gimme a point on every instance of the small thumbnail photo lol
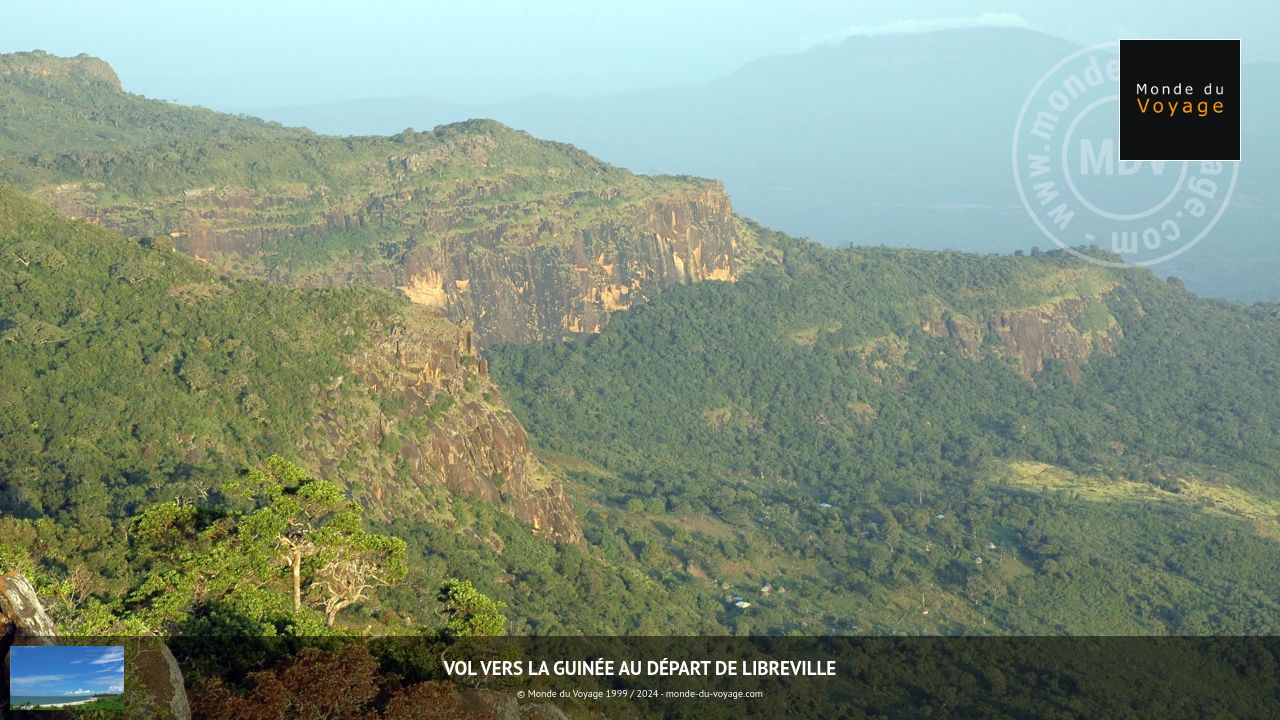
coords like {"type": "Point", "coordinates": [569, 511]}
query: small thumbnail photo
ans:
{"type": "Point", "coordinates": [58, 677]}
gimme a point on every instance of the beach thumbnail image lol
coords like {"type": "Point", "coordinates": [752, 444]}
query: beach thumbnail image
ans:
{"type": "Point", "coordinates": [49, 677]}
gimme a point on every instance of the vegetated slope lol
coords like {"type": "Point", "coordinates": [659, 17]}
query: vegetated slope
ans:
{"type": "Point", "coordinates": [131, 375]}
{"type": "Point", "coordinates": [900, 139]}
{"type": "Point", "coordinates": [931, 442]}
{"type": "Point", "coordinates": [527, 239]}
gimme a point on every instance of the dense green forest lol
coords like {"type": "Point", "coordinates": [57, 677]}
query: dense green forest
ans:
{"type": "Point", "coordinates": [823, 440]}
{"type": "Point", "coordinates": [257, 443]}
{"type": "Point", "coordinates": [128, 365]}
{"type": "Point", "coordinates": [842, 441]}
{"type": "Point", "coordinates": [800, 429]}
{"type": "Point", "coordinates": [134, 378]}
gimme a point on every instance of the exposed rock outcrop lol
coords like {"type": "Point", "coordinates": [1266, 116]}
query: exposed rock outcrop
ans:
{"type": "Point", "coordinates": [515, 287]}
{"type": "Point", "coordinates": [1051, 333]}
{"type": "Point", "coordinates": [23, 621]}
{"type": "Point", "coordinates": [1031, 337]}
{"type": "Point", "coordinates": [967, 334]}
{"type": "Point", "coordinates": [22, 616]}
{"type": "Point", "coordinates": [43, 66]}
{"type": "Point", "coordinates": [525, 252]}
{"type": "Point", "coordinates": [155, 675]}
{"type": "Point", "coordinates": [155, 686]}
{"type": "Point", "coordinates": [516, 281]}
{"type": "Point", "coordinates": [438, 422]}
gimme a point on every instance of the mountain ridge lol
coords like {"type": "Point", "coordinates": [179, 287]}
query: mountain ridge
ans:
{"type": "Point", "coordinates": [400, 376]}
{"type": "Point", "coordinates": [43, 65]}
{"type": "Point", "coordinates": [899, 139]}
{"type": "Point", "coordinates": [869, 439]}
{"type": "Point", "coordinates": [927, 442]}
{"type": "Point", "coordinates": [526, 239]}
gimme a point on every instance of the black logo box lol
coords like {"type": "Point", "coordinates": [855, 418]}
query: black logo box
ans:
{"type": "Point", "coordinates": [1185, 67]}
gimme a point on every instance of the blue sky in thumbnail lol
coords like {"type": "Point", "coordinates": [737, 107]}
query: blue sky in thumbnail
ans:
{"type": "Point", "coordinates": [55, 671]}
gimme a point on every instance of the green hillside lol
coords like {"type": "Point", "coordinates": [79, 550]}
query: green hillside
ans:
{"type": "Point", "coordinates": [837, 439]}
{"type": "Point", "coordinates": [840, 441]}
{"type": "Point", "coordinates": [1013, 444]}
{"type": "Point", "coordinates": [132, 377]}
{"type": "Point", "coordinates": [127, 365]}
{"type": "Point", "coordinates": [524, 238]}
{"type": "Point", "coordinates": [69, 119]}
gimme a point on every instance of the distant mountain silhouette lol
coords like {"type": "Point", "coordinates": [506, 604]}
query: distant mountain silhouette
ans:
{"type": "Point", "coordinates": [895, 139]}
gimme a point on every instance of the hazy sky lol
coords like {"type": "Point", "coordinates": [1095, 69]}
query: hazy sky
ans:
{"type": "Point", "coordinates": [242, 54]}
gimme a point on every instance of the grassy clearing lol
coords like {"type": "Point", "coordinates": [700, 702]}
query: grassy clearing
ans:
{"type": "Point", "coordinates": [1261, 512]}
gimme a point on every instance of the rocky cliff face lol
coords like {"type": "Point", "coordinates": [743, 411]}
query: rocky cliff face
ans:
{"type": "Point", "coordinates": [518, 287]}
{"type": "Point", "coordinates": [386, 397]}
{"type": "Point", "coordinates": [21, 613]}
{"type": "Point", "coordinates": [419, 404]}
{"type": "Point", "coordinates": [515, 281]}
{"type": "Point", "coordinates": [23, 621]}
{"type": "Point", "coordinates": [528, 240]}
{"type": "Point", "coordinates": [1070, 330]}
{"type": "Point", "coordinates": [42, 66]}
